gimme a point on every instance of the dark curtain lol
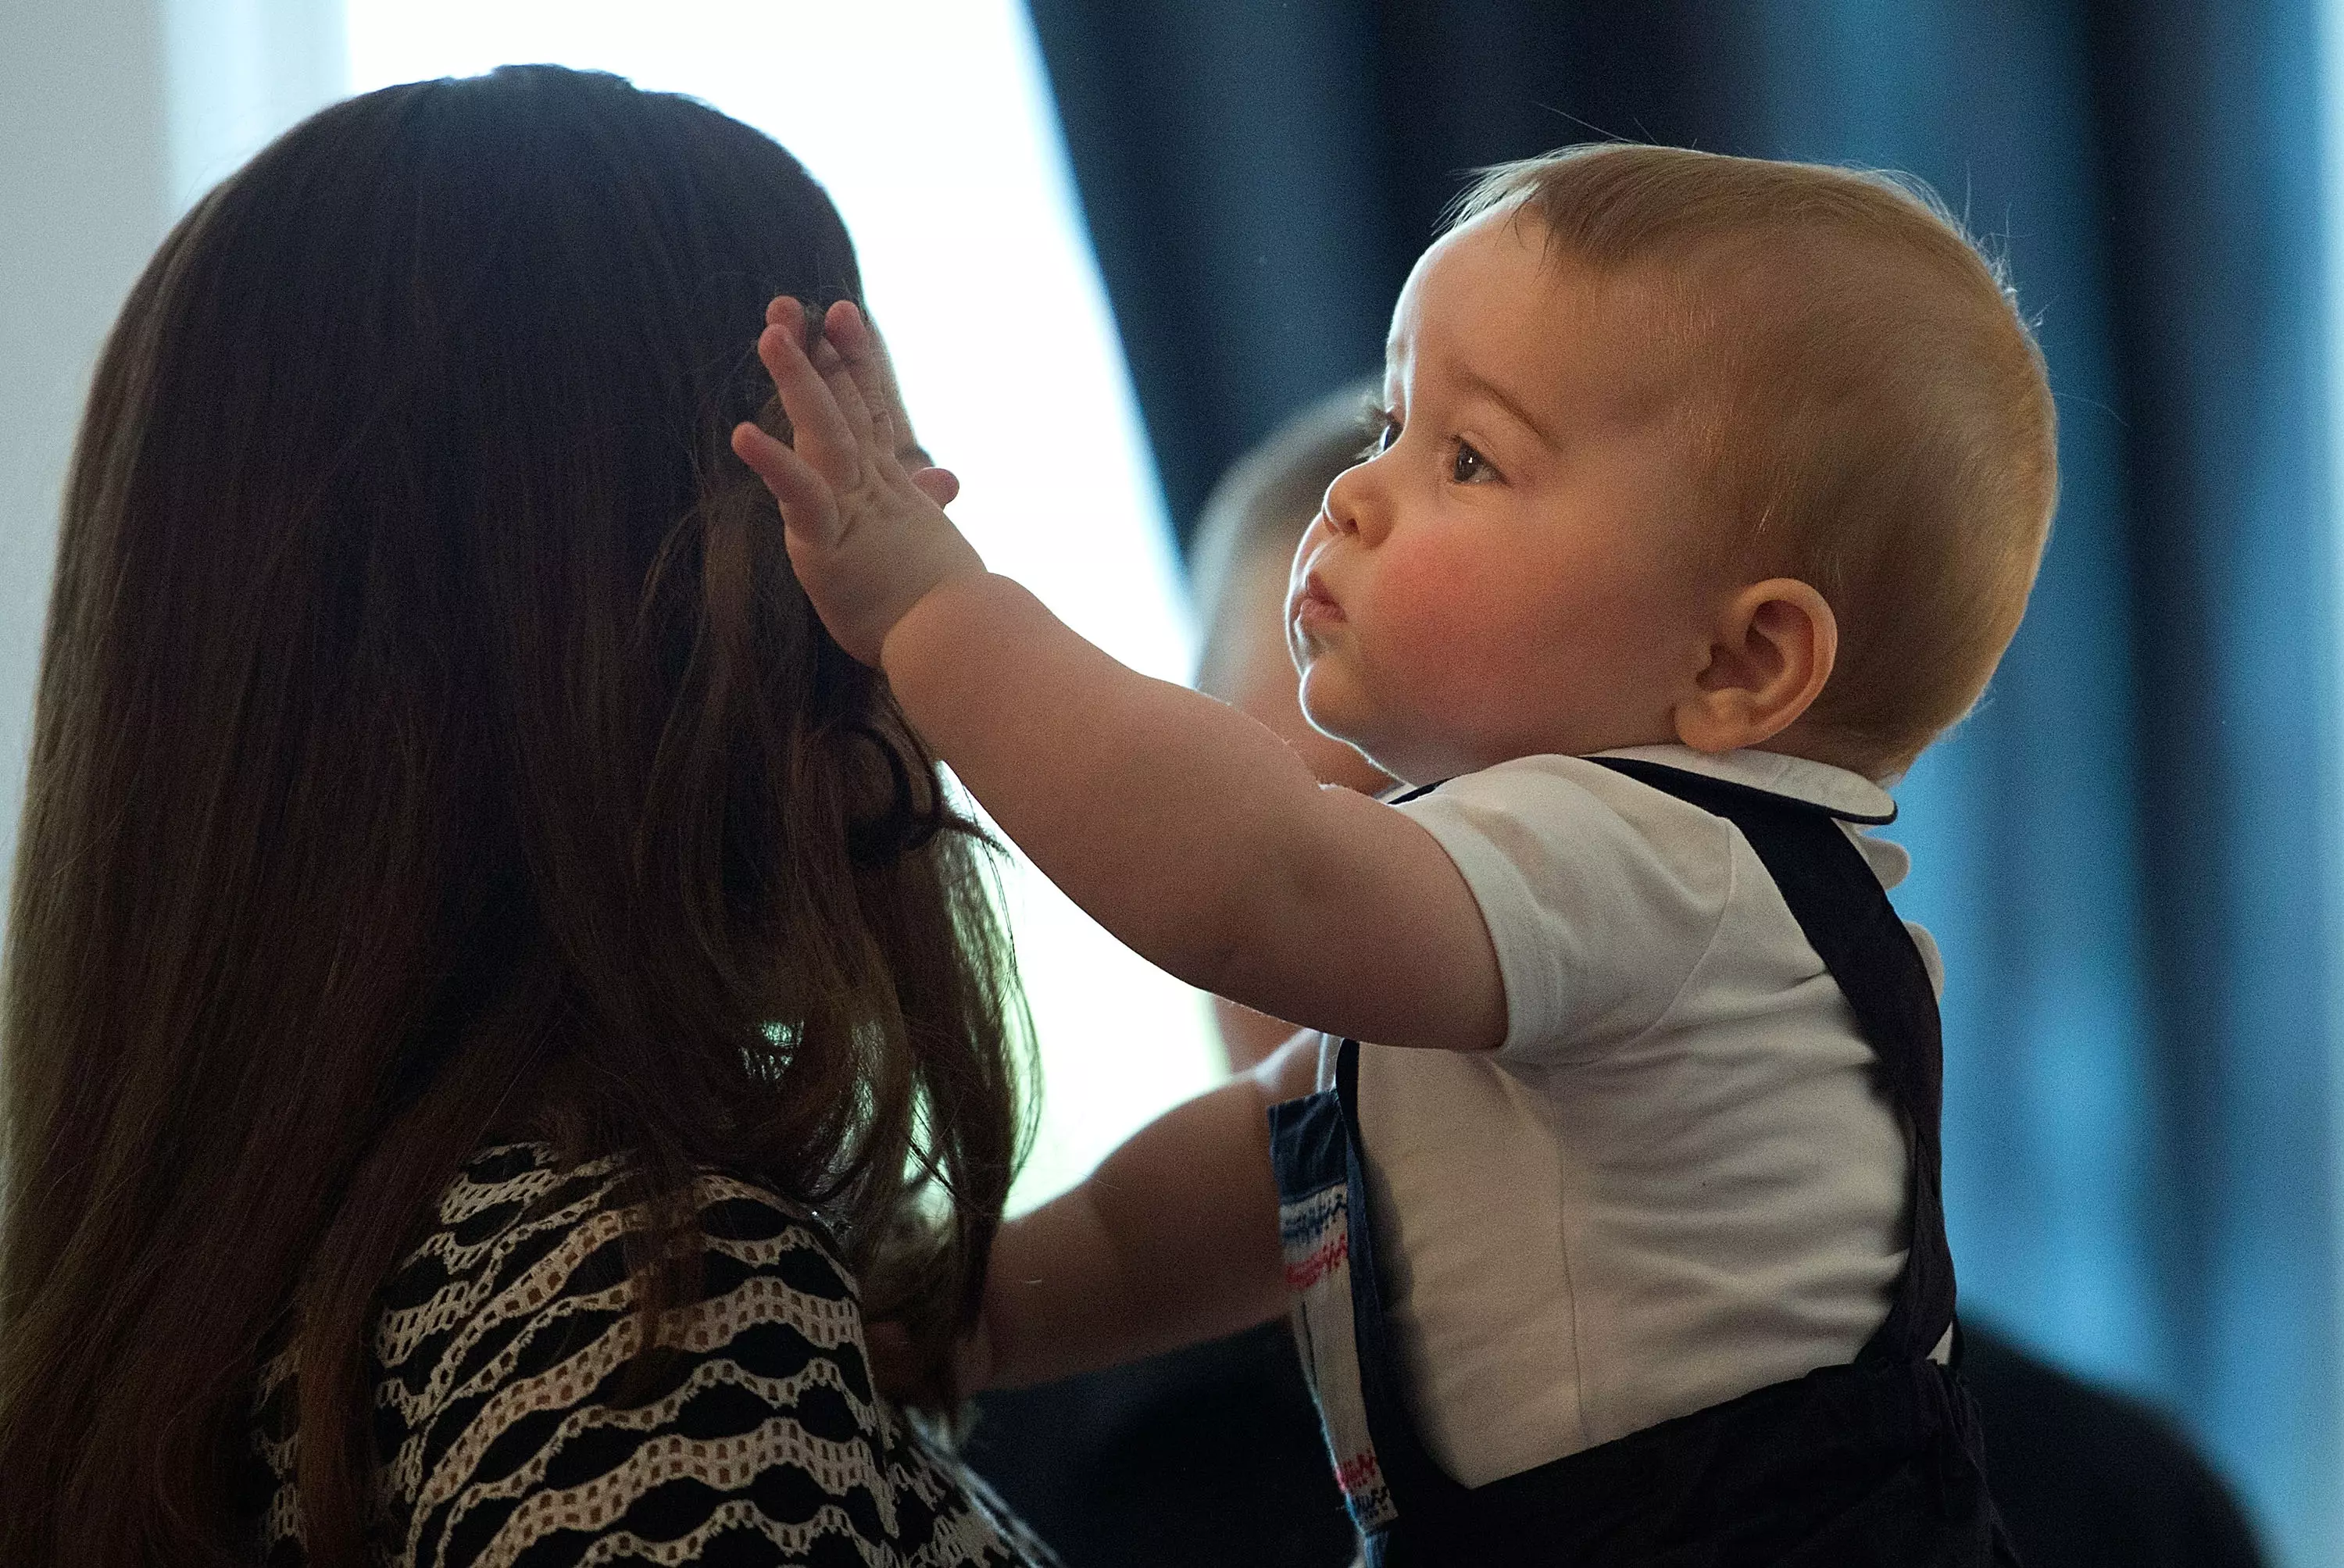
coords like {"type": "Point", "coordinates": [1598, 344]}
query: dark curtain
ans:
{"type": "Point", "coordinates": [2129, 853]}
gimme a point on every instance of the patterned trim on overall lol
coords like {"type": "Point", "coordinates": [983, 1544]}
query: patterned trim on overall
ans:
{"type": "Point", "coordinates": [1314, 1218]}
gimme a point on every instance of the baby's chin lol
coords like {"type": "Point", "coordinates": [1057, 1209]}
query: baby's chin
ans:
{"type": "Point", "coordinates": [1388, 760]}
{"type": "Point", "coordinates": [1339, 762]}
{"type": "Point", "coordinates": [1365, 747]}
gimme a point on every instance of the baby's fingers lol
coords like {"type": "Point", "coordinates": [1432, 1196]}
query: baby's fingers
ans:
{"type": "Point", "coordinates": [860, 354]}
{"type": "Point", "coordinates": [939, 485]}
{"type": "Point", "coordinates": [809, 506]}
{"type": "Point", "coordinates": [865, 416]}
{"type": "Point", "coordinates": [820, 430]}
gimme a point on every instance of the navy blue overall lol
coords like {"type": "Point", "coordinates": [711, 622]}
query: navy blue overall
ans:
{"type": "Point", "coordinates": [1873, 1462]}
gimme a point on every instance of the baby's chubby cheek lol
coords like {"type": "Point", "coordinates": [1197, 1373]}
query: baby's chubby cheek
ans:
{"type": "Point", "coordinates": [1446, 619]}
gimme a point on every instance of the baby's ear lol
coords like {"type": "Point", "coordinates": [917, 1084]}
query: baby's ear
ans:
{"type": "Point", "coordinates": [1770, 653]}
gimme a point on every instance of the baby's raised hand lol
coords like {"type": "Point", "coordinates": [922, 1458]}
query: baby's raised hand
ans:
{"type": "Point", "coordinates": [867, 535]}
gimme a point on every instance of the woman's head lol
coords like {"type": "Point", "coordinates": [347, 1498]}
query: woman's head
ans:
{"type": "Point", "coordinates": [432, 740]}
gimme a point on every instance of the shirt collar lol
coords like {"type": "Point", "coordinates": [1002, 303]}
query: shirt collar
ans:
{"type": "Point", "coordinates": [1850, 796]}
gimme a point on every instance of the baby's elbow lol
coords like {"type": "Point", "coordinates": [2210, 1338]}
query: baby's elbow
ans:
{"type": "Point", "coordinates": [1236, 940]}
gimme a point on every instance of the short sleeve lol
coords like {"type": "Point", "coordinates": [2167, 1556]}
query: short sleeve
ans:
{"type": "Point", "coordinates": [1601, 894]}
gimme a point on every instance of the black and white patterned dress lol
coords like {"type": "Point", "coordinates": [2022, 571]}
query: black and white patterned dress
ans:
{"type": "Point", "coordinates": [497, 1417]}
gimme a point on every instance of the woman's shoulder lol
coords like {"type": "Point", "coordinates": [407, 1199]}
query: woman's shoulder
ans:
{"type": "Point", "coordinates": [504, 1419]}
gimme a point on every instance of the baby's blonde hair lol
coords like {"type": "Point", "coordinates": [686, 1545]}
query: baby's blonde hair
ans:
{"type": "Point", "coordinates": [1861, 392]}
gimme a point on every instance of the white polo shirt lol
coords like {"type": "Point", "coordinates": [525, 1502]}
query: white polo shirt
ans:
{"type": "Point", "coordinates": [1674, 1182]}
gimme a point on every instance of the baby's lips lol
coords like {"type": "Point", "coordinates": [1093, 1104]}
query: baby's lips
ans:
{"type": "Point", "coordinates": [1314, 603]}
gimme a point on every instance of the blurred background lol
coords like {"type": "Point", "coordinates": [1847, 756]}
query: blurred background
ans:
{"type": "Point", "coordinates": [1114, 245]}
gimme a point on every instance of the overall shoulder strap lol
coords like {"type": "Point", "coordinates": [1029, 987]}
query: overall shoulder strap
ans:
{"type": "Point", "coordinates": [1839, 906]}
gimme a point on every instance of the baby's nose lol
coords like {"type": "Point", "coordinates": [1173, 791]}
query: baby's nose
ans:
{"type": "Point", "coordinates": [1337, 513]}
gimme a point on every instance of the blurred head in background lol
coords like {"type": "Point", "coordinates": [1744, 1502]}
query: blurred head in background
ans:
{"type": "Point", "coordinates": [1244, 551]}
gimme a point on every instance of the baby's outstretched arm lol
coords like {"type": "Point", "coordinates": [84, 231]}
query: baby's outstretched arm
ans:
{"type": "Point", "coordinates": [1172, 1241]}
{"type": "Point", "coordinates": [1188, 829]}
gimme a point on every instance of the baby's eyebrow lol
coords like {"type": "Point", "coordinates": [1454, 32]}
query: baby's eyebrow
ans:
{"type": "Point", "coordinates": [1508, 401]}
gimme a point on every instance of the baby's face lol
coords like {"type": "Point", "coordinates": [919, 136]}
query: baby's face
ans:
{"type": "Point", "coordinates": [1517, 570]}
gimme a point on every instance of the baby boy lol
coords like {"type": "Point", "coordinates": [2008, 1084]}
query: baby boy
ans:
{"type": "Point", "coordinates": [1604, 1187]}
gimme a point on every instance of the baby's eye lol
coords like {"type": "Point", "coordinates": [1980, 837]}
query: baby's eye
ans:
{"type": "Point", "coordinates": [1382, 431]}
{"type": "Point", "coordinates": [1469, 466]}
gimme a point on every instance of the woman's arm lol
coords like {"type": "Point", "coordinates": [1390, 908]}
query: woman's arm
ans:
{"type": "Point", "coordinates": [1188, 829]}
{"type": "Point", "coordinates": [1172, 1241]}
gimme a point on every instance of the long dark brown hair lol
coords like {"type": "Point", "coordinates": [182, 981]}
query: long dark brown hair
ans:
{"type": "Point", "coordinates": [433, 745]}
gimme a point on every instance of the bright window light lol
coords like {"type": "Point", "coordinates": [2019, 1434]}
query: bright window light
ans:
{"type": "Point", "coordinates": [235, 74]}
{"type": "Point", "coordinates": [930, 123]}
